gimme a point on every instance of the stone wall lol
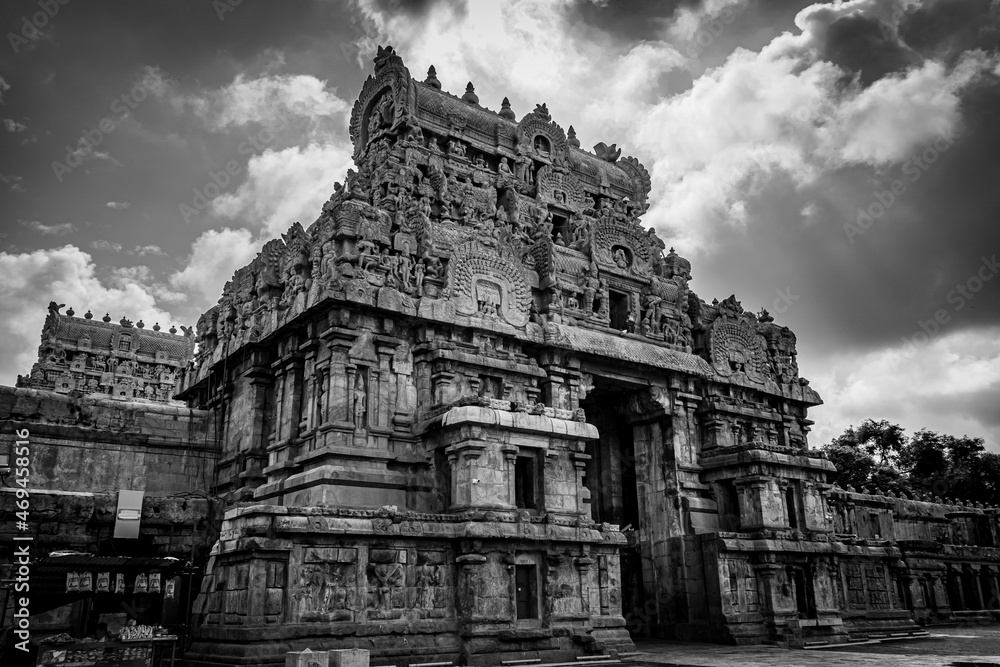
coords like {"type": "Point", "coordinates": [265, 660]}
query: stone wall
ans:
{"type": "Point", "coordinates": [406, 586]}
{"type": "Point", "coordinates": [947, 557]}
{"type": "Point", "coordinates": [93, 444]}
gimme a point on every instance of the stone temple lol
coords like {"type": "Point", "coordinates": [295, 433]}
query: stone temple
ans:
{"type": "Point", "coordinates": [479, 412]}
{"type": "Point", "coordinates": [474, 413]}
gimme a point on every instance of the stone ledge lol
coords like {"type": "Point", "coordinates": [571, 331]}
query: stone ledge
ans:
{"type": "Point", "coordinates": [515, 421]}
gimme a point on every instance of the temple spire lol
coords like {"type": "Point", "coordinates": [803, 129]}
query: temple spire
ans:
{"type": "Point", "coordinates": [505, 110]}
{"type": "Point", "coordinates": [432, 79]}
{"type": "Point", "coordinates": [571, 138]}
{"type": "Point", "coordinates": [470, 94]}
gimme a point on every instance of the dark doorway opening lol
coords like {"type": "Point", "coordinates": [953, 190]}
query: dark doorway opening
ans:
{"type": "Point", "coordinates": [527, 591]}
{"type": "Point", "coordinates": [524, 482]}
{"type": "Point", "coordinates": [805, 596]}
{"type": "Point", "coordinates": [611, 479]}
{"type": "Point", "coordinates": [793, 510]}
{"type": "Point", "coordinates": [619, 310]}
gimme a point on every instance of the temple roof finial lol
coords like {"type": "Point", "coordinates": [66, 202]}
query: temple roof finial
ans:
{"type": "Point", "coordinates": [470, 94]}
{"type": "Point", "coordinates": [432, 79]}
{"type": "Point", "coordinates": [571, 138]}
{"type": "Point", "coordinates": [505, 110]}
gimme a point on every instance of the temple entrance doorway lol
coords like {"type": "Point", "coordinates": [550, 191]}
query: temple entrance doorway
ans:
{"type": "Point", "coordinates": [611, 480]}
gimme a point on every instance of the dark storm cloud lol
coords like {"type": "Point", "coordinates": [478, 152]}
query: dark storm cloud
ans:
{"type": "Point", "coordinates": [945, 29]}
{"type": "Point", "coordinates": [863, 46]}
{"type": "Point", "coordinates": [914, 260]}
{"type": "Point", "coordinates": [630, 19]}
{"type": "Point", "coordinates": [981, 405]}
{"type": "Point", "coordinates": [417, 8]}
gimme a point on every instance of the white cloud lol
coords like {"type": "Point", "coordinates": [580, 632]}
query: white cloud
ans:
{"type": "Point", "coordinates": [215, 255]}
{"type": "Point", "coordinates": [531, 51]}
{"type": "Point", "coordinates": [915, 387]}
{"type": "Point", "coordinates": [4, 87]}
{"type": "Point", "coordinates": [781, 111]}
{"type": "Point", "coordinates": [16, 183]}
{"type": "Point", "coordinates": [118, 205]}
{"type": "Point", "coordinates": [286, 186]}
{"type": "Point", "coordinates": [101, 244]}
{"type": "Point", "coordinates": [144, 250]}
{"type": "Point", "coordinates": [12, 125]}
{"type": "Point", "coordinates": [85, 152]}
{"type": "Point", "coordinates": [271, 100]}
{"type": "Point", "coordinates": [67, 275]}
{"type": "Point", "coordinates": [49, 230]}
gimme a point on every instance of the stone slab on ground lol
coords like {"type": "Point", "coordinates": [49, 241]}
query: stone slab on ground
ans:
{"type": "Point", "coordinates": [952, 647]}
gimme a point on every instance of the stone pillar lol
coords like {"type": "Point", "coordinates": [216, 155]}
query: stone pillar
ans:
{"type": "Point", "coordinates": [761, 503]}
{"type": "Point", "coordinates": [583, 569]}
{"type": "Point", "coordinates": [771, 597]}
{"type": "Point", "coordinates": [582, 492]}
{"type": "Point", "coordinates": [991, 573]}
{"type": "Point", "coordinates": [510, 461]}
{"type": "Point", "coordinates": [470, 488]}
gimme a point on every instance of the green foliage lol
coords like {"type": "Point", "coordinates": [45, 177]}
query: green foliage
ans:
{"type": "Point", "coordinates": [879, 456]}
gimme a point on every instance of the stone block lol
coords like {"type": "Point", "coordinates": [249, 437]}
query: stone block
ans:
{"type": "Point", "coordinates": [349, 657]}
{"type": "Point", "coordinates": [307, 658]}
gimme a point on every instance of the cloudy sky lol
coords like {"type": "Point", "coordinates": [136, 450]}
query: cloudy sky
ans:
{"type": "Point", "coordinates": [837, 164]}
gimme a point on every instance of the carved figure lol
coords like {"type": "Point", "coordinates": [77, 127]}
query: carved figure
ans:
{"type": "Point", "coordinates": [360, 404]}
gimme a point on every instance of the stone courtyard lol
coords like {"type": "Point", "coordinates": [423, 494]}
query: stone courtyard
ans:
{"type": "Point", "coordinates": [947, 646]}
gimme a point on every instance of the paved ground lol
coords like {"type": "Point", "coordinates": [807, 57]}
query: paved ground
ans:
{"type": "Point", "coordinates": [968, 646]}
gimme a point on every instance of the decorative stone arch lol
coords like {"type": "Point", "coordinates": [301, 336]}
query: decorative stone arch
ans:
{"type": "Point", "coordinates": [640, 179]}
{"type": "Point", "coordinates": [533, 127]}
{"type": "Point", "coordinates": [735, 341]}
{"type": "Point", "coordinates": [391, 85]}
{"type": "Point", "coordinates": [481, 275]}
{"type": "Point", "coordinates": [559, 186]}
{"type": "Point", "coordinates": [610, 233]}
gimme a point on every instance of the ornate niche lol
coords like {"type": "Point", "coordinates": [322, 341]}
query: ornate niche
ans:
{"type": "Point", "coordinates": [621, 246]}
{"type": "Point", "coordinates": [540, 137]}
{"type": "Point", "coordinates": [735, 345]}
{"type": "Point", "coordinates": [488, 282]}
{"type": "Point", "coordinates": [557, 185]}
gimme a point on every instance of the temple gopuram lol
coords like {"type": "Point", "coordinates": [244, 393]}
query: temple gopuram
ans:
{"type": "Point", "coordinates": [474, 413]}
{"type": "Point", "coordinates": [122, 360]}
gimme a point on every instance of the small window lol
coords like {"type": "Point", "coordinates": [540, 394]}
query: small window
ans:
{"type": "Point", "coordinates": [793, 510]}
{"type": "Point", "coordinates": [524, 482]}
{"type": "Point", "coordinates": [542, 144]}
{"type": "Point", "coordinates": [527, 591]}
{"type": "Point", "coordinates": [729, 507]}
{"type": "Point", "coordinates": [876, 526]}
{"type": "Point", "coordinates": [125, 344]}
{"type": "Point", "coordinates": [560, 229]}
{"type": "Point", "coordinates": [618, 302]}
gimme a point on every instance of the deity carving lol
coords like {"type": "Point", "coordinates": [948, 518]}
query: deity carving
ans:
{"type": "Point", "coordinates": [360, 403]}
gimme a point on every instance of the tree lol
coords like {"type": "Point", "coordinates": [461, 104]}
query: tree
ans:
{"type": "Point", "coordinates": [877, 455]}
{"type": "Point", "coordinates": [854, 453]}
{"type": "Point", "coordinates": [881, 439]}
{"type": "Point", "coordinates": [854, 466]}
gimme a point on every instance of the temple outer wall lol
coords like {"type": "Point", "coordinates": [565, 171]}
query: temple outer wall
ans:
{"type": "Point", "coordinates": [94, 444]}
